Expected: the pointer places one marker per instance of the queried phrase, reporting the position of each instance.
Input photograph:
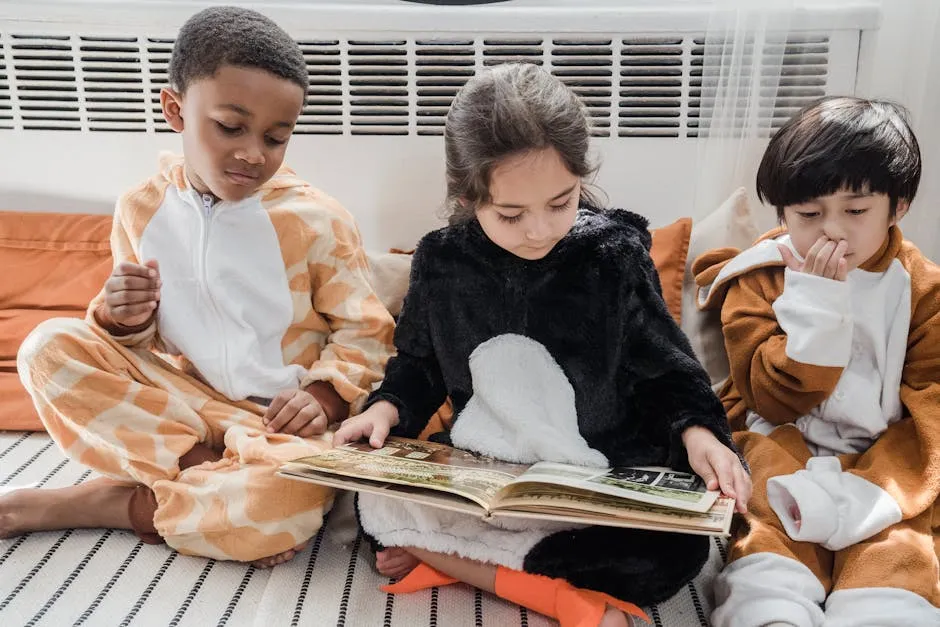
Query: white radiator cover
(80, 81)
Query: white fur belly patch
(522, 410)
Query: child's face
(534, 202)
(861, 219)
(235, 128)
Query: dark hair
(841, 143)
(220, 36)
(506, 110)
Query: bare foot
(280, 558)
(395, 562)
(615, 618)
(97, 503)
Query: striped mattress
(107, 577)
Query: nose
(539, 228)
(251, 153)
(833, 229)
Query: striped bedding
(102, 577)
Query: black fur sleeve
(670, 385)
(413, 380)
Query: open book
(445, 477)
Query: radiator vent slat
(659, 86)
(793, 73)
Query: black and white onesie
(570, 358)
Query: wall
(393, 185)
(901, 61)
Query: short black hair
(220, 36)
(841, 143)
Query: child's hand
(825, 258)
(717, 465)
(295, 412)
(796, 515)
(132, 292)
(374, 423)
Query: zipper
(207, 203)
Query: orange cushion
(58, 261)
(16, 407)
(54, 265)
(15, 325)
(669, 252)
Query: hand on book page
(373, 424)
(718, 465)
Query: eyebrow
(245, 112)
(556, 197)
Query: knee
(667, 564)
(643, 567)
(45, 342)
(768, 589)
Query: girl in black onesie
(541, 316)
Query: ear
(171, 102)
(901, 211)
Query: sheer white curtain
(743, 74)
(901, 62)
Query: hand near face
(825, 258)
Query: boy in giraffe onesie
(238, 323)
(832, 326)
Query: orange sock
(421, 577)
(558, 599)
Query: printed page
(546, 502)
(442, 500)
(422, 465)
(654, 486)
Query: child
(833, 331)
(541, 317)
(252, 282)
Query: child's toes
(400, 572)
(400, 567)
(385, 570)
(280, 558)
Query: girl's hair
(507, 110)
(841, 142)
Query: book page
(654, 486)
(545, 502)
(442, 500)
(423, 465)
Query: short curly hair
(220, 36)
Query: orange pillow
(54, 265)
(17, 412)
(669, 252)
(58, 261)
